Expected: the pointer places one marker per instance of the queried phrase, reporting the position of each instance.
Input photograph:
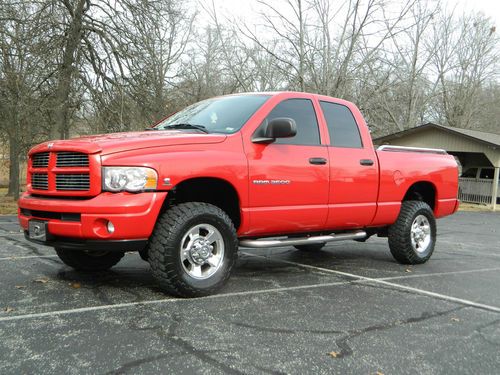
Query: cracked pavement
(282, 312)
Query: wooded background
(71, 67)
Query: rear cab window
(342, 126)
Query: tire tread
(162, 247)
(399, 238)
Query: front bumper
(83, 222)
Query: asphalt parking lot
(347, 309)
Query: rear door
(288, 179)
(354, 175)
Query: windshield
(226, 114)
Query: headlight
(131, 179)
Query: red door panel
(353, 188)
(286, 192)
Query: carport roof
(490, 139)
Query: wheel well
(422, 191)
(215, 191)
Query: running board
(259, 244)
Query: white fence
(475, 190)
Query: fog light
(111, 227)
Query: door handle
(366, 162)
(317, 161)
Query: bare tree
(466, 57)
(23, 72)
(407, 57)
(157, 34)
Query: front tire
(193, 249)
(413, 236)
(89, 261)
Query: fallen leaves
(8, 309)
(334, 354)
(42, 280)
(408, 270)
(75, 285)
(455, 319)
(20, 286)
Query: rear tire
(193, 249)
(413, 236)
(89, 261)
(311, 247)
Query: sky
(491, 8)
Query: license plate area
(37, 230)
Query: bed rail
(412, 149)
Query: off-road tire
(89, 261)
(311, 247)
(400, 242)
(165, 249)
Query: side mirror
(281, 127)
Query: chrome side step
(259, 244)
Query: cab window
(302, 111)
(342, 126)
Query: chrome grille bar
(40, 181)
(78, 182)
(40, 160)
(72, 159)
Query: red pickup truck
(252, 170)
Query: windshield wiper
(186, 126)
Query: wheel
(413, 236)
(311, 247)
(89, 260)
(193, 249)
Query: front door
(289, 178)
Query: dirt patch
(475, 207)
(8, 205)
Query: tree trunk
(14, 150)
(60, 127)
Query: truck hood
(118, 142)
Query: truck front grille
(64, 173)
(41, 160)
(72, 159)
(40, 181)
(73, 182)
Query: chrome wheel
(202, 251)
(420, 234)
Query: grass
(472, 207)
(8, 205)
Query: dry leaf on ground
(8, 309)
(334, 354)
(42, 280)
(455, 319)
(20, 286)
(75, 285)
